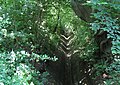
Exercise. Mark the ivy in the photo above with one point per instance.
(15, 69)
(107, 21)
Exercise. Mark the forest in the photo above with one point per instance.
(59, 42)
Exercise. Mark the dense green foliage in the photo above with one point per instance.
(13, 70)
(107, 19)
(30, 29)
(16, 37)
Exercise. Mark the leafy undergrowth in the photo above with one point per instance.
(15, 69)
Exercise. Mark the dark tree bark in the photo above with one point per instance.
(81, 10)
